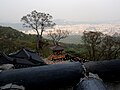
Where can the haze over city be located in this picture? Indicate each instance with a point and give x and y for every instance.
(71, 10)
(75, 16)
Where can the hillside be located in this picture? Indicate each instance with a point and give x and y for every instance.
(12, 40)
(72, 39)
(13, 34)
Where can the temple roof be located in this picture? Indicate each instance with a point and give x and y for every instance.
(56, 48)
(29, 55)
(4, 59)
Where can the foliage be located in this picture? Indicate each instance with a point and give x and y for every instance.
(101, 46)
(12, 40)
(91, 41)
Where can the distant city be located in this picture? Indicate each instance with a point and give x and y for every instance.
(76, 30)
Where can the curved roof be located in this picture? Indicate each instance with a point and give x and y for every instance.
(29, 55)
(55, 48)
(4, 59)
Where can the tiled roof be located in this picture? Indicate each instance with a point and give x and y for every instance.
(29, 55)
(57, 48)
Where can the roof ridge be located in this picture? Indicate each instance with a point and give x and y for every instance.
(28, 55)
(7, 57)
(28, 50)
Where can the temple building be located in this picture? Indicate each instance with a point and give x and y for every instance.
(21, 59)
(17, 62)
(57, 53)
(29, 55)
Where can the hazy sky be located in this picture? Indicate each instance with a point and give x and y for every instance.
(73, 10)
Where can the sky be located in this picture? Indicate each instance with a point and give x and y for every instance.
(11, 11)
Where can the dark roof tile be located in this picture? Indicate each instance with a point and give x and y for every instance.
(55, 48)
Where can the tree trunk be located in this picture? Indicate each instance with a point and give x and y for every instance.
(37, 41)
(42, 29)
(93, 52)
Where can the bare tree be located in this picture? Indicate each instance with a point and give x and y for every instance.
(37, 20)
(57, 34)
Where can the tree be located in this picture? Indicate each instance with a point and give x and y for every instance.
(57, 34)
(92, 40)
(101, 46)
(111, 46)
(37, 20)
